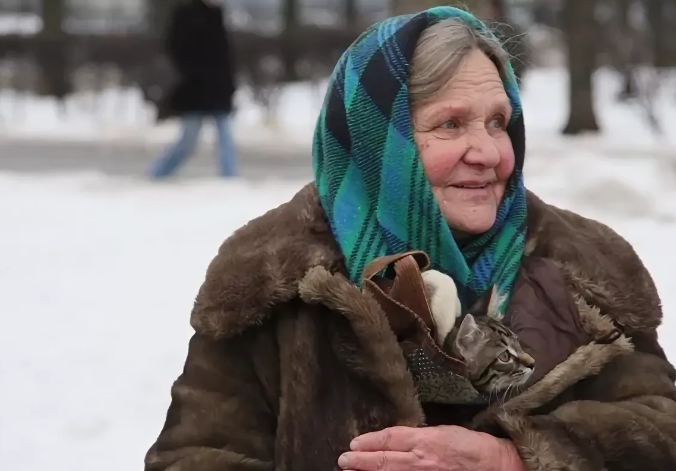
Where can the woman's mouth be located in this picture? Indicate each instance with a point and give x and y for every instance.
(472, 185)
(474, 190)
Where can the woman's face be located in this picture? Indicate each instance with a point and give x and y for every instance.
(464, 147)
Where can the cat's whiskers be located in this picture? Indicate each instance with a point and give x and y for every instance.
(506, 396)
(491, 391)
(498, 388)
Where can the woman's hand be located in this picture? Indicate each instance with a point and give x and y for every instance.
(443, 448)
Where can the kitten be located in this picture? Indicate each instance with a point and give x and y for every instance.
(494, 357)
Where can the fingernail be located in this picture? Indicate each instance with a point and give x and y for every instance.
(343, 461)
(354, 443)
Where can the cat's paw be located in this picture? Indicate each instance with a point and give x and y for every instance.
(442, 296)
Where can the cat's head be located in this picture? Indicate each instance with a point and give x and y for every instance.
(492, 352)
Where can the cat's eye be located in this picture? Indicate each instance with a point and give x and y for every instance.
(504, 357)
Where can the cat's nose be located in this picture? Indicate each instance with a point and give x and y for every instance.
(528, 361)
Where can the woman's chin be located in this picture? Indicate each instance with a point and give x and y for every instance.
(473, 221)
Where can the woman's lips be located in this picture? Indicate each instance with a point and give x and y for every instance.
(472, 186)
(474, 189)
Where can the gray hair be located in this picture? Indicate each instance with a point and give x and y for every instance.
(439, 54)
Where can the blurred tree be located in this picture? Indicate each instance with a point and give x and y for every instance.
(350, 13)
(53, 12)
(662, 25)
(497, 9)
(626, 49)
(511, 34)
(160, 14)
(290, 15)
(50, 54)
(579, 27)
(402, 7)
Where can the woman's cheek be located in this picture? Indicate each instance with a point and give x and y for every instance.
(506, 165)
(439, 159)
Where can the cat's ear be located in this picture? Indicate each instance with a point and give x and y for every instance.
(488, 304)
(469, 339)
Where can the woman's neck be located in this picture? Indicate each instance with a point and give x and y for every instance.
(461, 238)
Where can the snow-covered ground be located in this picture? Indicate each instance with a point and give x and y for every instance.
(98, 275)
(97, 280)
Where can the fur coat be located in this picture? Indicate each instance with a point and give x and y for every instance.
(289, 361)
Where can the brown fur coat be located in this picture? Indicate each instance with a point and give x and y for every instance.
(289, 361)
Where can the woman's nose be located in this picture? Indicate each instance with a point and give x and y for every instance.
(482, 149)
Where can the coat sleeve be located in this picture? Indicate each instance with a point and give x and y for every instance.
(219, 418)
(623, 419)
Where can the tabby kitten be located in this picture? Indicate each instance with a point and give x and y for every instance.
(494, 357)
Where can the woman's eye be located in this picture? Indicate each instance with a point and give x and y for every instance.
(498, 122)
(449, 125)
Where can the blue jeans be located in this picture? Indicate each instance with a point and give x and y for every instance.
(185, 147)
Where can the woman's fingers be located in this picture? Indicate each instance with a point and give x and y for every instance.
(377, 461)
(389, 439)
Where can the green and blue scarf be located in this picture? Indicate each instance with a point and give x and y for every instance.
(368, 173)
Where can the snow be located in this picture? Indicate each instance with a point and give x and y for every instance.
(98, 274)
(98, 278)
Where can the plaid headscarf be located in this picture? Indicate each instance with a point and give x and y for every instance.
(370, 179)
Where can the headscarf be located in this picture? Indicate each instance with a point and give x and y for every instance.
(371, 182)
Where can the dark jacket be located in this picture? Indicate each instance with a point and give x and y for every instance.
(198, 46)
(290, 361)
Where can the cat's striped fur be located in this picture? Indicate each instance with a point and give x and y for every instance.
(494, 357)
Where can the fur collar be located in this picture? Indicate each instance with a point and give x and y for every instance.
(263, 263)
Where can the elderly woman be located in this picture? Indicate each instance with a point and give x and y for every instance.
(296, 365)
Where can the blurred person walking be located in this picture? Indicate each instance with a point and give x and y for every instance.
(198, 46)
